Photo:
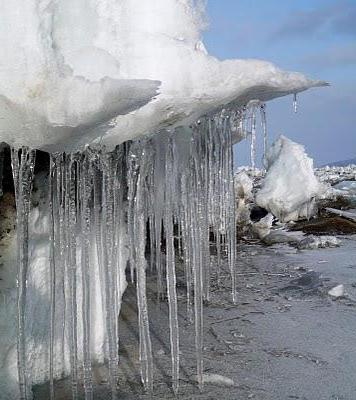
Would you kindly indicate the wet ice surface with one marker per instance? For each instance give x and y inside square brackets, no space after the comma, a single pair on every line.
[275,344]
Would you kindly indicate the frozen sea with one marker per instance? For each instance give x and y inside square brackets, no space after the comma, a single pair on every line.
[285,339]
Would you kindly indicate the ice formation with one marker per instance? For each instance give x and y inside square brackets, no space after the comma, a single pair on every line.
[290,186]
[116,54]
[87,78]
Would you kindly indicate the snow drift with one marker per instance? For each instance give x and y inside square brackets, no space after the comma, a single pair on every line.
[290,187]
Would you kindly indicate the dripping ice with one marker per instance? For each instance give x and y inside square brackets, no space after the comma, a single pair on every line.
[100,201]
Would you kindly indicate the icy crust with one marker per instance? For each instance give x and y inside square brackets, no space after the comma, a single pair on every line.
[74,72]
[290,187]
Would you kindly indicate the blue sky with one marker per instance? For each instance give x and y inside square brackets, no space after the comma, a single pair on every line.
[315,37]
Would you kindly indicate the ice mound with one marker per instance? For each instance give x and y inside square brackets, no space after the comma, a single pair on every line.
[80,71]
[290,188]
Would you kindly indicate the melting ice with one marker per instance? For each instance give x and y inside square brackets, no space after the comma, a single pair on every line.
[100,201]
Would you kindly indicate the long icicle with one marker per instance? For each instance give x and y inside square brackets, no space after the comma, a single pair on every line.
[23,173]
[195,234]
[85,191]
[141,265]
[170,269]
[253,137]
[52,274]
[71,221]
[109,270]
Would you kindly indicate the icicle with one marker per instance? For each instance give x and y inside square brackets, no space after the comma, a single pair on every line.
[253,138]
[187,248]
[140,262]
[71,220]
[171,181]
[132,179]
[230,216]
[107,247]
[52,274]
[85,192]
[61,242]
[170,269]
[23,172]
[295,103]
[265,133]
[198,287]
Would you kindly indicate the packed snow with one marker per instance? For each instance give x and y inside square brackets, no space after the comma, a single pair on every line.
[142,65]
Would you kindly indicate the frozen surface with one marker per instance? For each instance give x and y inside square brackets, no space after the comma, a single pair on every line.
[290,186]
[280,342]
[336,175]
[74,72]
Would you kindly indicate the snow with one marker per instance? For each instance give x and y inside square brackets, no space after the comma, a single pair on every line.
[117,54]
[290,186]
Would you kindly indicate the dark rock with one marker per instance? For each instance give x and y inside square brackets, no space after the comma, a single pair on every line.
[257,213]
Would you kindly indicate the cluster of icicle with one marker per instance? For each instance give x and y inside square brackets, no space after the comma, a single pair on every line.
[155,187]
[248,123]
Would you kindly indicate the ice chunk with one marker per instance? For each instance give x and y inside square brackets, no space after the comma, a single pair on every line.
[262,228]
[218,380]
[337,292]
[290,187]
[316,242]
